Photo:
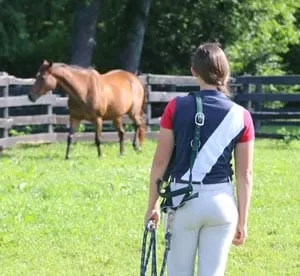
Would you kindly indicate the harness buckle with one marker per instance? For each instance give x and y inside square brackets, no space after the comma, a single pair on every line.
[199,119]
[195,146]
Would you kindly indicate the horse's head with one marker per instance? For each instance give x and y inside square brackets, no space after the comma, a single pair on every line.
[44,82]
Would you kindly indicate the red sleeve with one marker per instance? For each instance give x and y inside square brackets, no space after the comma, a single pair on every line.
[248,132]
[166,120]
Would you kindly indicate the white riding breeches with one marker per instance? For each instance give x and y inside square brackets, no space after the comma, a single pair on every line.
[205,224]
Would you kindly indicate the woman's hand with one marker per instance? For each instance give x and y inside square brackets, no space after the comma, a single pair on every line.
[154,215]
[240,235]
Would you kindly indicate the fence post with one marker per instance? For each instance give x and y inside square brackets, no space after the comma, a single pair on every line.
[6,109]
[148,110]
[50,113]
[258,105]
[247,90]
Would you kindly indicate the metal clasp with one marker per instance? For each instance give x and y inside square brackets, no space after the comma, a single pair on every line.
[168,233]
[195,146]
[199,119]
[151,225]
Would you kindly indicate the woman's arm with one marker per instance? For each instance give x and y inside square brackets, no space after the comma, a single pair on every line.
[164,149]
[243,155]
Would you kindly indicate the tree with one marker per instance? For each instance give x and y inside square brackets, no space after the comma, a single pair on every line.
[136,16]
[266,29]
[174,31]
[292,57]
[84,32]
[259,37]
[31,31]
[13,32]
[254,33]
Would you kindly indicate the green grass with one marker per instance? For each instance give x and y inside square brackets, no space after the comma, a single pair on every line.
[85,216]
[278,129]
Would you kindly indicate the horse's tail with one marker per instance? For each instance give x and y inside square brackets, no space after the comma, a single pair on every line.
[143,114]
[144,106]
[139,105]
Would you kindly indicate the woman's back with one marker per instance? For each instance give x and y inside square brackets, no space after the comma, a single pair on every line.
[225,123]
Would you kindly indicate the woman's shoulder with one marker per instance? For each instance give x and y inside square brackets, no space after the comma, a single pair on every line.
[242,108]
[184,98]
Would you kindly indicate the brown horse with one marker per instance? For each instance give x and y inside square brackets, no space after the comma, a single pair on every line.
[95,97]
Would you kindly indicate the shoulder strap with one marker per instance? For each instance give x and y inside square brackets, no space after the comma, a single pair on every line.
[195,143]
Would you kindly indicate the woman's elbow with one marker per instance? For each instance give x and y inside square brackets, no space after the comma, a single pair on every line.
[245,177]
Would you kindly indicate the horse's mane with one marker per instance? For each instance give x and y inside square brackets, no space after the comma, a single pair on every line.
[61,64]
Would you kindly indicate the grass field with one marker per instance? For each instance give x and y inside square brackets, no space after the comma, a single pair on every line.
[85,216]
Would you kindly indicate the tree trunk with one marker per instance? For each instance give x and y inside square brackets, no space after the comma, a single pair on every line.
[83,41]
[136,16]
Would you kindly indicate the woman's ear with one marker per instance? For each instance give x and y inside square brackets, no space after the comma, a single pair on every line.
[193,72]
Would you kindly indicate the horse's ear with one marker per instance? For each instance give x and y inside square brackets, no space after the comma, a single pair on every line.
[47,63]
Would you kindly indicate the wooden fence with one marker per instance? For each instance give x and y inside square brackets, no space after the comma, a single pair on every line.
[50,112]
[272,100]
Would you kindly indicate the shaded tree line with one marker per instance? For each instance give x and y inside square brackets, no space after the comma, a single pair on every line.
[259,37]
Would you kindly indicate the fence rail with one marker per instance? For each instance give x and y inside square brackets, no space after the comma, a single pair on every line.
[252,92]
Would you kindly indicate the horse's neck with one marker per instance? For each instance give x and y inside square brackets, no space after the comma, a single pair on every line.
[70,83]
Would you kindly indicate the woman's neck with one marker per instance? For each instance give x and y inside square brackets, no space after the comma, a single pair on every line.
[208,87]
[205,86]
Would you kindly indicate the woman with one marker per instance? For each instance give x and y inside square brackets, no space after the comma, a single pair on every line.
[210,222]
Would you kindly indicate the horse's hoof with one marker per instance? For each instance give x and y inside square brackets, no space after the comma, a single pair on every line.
[138,149]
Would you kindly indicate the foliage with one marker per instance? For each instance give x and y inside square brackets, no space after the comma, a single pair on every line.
[81,127]
[289,135]
[292,57]
[20,131]
[85,216]
[176,30]
[109,34]
[266,30]
[12,30]
[260,37]
[33,31]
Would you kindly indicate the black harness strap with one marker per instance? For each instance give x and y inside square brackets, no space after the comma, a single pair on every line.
[165,192]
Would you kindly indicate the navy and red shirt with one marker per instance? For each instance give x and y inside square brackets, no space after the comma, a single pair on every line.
[226,124]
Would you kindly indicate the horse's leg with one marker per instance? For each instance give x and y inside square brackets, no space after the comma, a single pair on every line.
[134,144]
[139,133]
[73,127]
[118,123]
[99,124]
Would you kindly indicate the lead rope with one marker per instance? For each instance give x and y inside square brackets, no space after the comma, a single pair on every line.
[145,256]
[195,145]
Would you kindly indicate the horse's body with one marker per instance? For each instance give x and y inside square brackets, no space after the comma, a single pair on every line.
[95,97]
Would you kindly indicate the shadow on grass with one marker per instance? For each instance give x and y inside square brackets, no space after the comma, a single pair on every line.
[47,153]
[9,153]
[278,144]
[5,155]
[33,146]
[59,157]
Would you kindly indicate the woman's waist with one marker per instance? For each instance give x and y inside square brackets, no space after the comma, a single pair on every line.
[205,181]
